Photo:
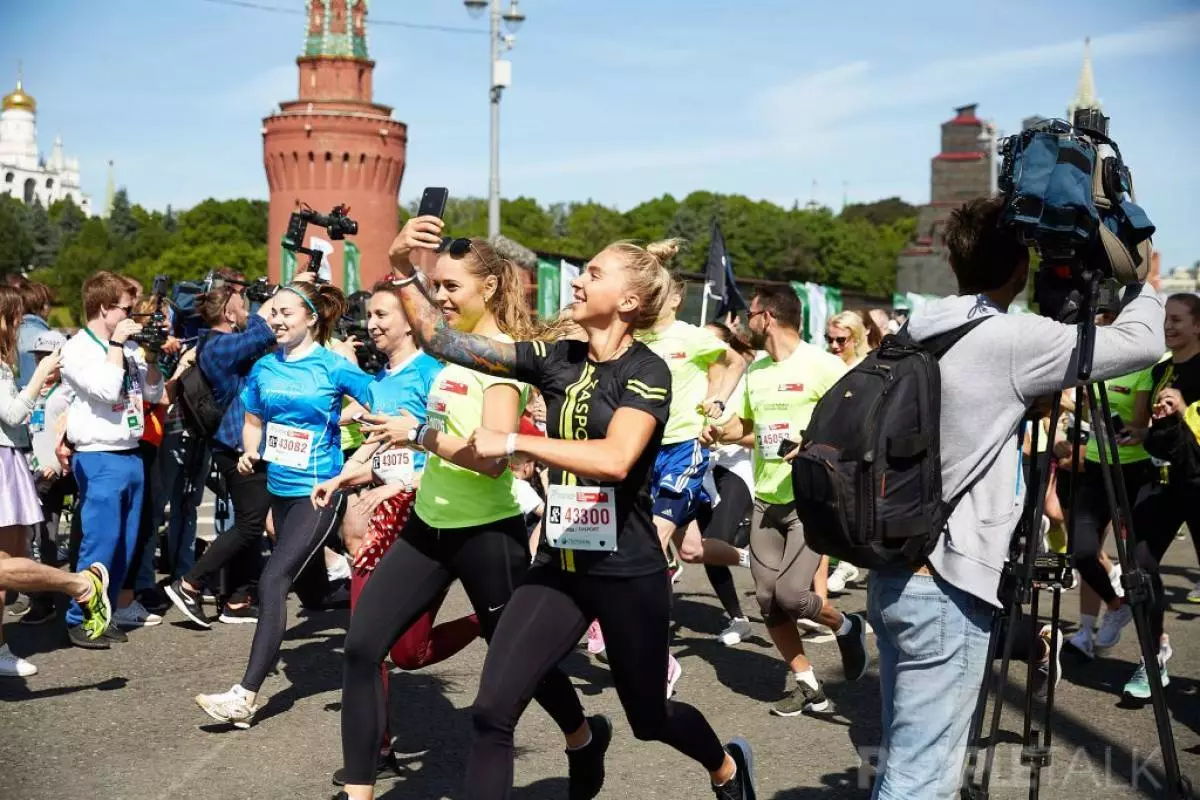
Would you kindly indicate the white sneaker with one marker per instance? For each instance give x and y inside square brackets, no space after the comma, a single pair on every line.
[814,632]
[340,571]
[674,673]
[842,574]
[1084,641]
[13,666]
[233,706]
[1110,626]
[1114,577]
[135,615]
[738,630]
[744,558]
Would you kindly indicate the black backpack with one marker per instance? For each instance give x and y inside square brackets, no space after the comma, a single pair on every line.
[868,478]
[202,413]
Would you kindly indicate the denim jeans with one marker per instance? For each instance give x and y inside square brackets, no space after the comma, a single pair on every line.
[184,463]
[933,641]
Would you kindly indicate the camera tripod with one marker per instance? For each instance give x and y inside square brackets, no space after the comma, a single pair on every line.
[1028,572]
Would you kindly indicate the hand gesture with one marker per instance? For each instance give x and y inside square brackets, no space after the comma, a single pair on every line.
[713,408]
[1169,402]
[489,444]
[366,502]
[418,233]
[245,465]
[125,329]
[710,435]
[46,370]
[322,493]
[390,431]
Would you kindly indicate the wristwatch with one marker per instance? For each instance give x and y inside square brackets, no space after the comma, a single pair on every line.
[415,435]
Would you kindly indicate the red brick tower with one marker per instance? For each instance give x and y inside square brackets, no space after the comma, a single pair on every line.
[334,145]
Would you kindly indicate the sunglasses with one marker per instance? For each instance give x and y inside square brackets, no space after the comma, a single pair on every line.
[127,309]
[839,339]
[455,247]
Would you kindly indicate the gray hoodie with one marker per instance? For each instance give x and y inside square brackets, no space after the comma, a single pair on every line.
[989,379]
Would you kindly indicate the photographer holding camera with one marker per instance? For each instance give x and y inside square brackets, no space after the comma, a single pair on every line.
[933,621]
[236,341]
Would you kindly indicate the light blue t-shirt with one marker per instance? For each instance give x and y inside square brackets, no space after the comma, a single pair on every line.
[406,388]
[305,396]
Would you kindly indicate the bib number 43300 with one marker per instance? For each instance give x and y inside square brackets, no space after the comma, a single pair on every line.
[581,518]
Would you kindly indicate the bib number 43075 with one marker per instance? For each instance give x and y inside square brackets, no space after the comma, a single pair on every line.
[581,518]
[394,466]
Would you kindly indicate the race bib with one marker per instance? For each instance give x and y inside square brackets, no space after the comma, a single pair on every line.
[581,518]
[395,466]
[288,446]
[769,436]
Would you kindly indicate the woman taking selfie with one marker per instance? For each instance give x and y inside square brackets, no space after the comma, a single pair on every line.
[293,399]
[466,523]
[600,558]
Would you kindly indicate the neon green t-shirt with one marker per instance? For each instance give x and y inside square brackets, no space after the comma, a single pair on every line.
[780,398]
[452,496]
[689,351]
[1122,392]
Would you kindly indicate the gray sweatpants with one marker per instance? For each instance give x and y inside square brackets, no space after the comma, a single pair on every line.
[782,564]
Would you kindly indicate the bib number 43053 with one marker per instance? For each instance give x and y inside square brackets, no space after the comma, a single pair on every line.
[581,518]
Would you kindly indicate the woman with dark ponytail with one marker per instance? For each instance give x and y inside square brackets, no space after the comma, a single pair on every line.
[293,400]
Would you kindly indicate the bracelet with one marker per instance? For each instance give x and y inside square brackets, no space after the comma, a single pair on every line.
[510,445]
[111,343]
[419,436]
[400,283]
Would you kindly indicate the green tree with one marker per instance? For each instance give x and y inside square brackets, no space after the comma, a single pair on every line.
[122,223]
[67,218]
[46,241]
[19,246]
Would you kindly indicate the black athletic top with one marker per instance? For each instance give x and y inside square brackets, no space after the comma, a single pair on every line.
[1172,439]
[581,396]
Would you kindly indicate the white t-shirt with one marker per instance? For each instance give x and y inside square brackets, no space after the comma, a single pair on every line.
[527,496]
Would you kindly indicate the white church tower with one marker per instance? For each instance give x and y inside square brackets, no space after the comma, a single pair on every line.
[24,173]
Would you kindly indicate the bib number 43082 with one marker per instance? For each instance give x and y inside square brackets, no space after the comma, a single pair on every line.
[581,518]
[288,446]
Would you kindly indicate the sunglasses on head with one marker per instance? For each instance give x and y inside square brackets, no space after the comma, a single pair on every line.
[455,247]
[839,339]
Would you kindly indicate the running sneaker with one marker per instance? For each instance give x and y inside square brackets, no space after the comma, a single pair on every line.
[1114,577]
[595,639]
[585,766]
[674,673]
[853,645]
[843,574]
[13,666]
[114,635]
[385,768]
[1194,595]
[188,602]
[1111,624]
[19,606]
[135,615]
[1138,686]
[741,785]
[802,698]
[737,632]
[1041,674]
[97,609]
[233,706]
[78,636]
[1084,642]
[239,616]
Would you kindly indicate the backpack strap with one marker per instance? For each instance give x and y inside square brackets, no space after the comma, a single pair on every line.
[939,345]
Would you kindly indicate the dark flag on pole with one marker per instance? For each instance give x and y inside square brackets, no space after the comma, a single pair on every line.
[718,276]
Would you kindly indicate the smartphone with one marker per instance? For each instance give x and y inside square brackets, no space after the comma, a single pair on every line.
[433,202]
[786,447]
[1118,426]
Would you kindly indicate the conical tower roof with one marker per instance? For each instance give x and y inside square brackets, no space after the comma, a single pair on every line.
[1085,93]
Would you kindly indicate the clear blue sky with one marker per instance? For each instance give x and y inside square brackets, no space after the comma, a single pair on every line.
[622,100]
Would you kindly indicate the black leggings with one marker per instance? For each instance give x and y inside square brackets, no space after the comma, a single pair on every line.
[240,547]
[300,531]
[490,560]
[1156,520]
[542,624]
[723,523]
[1091,516]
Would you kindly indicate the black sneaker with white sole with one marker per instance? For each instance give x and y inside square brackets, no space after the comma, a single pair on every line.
[853,645]
[79,638]
[741,785]
[387,767]
[187,602]
[239,616]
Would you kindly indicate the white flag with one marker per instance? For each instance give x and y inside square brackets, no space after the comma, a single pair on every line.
[566,294]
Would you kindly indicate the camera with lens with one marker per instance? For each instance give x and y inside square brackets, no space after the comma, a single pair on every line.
[155,329]
[336,223]
[259,291]
[1069,195]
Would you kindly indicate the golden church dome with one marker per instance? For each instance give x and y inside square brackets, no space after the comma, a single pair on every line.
[18,99]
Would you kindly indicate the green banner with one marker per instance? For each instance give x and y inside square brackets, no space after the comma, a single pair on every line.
[351,282]
[549,283]
[287,265]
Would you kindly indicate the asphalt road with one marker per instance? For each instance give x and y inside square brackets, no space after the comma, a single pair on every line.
[121,723]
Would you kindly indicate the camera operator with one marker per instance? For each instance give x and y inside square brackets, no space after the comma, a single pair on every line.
[108,379]
[237,339]
[933,622]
